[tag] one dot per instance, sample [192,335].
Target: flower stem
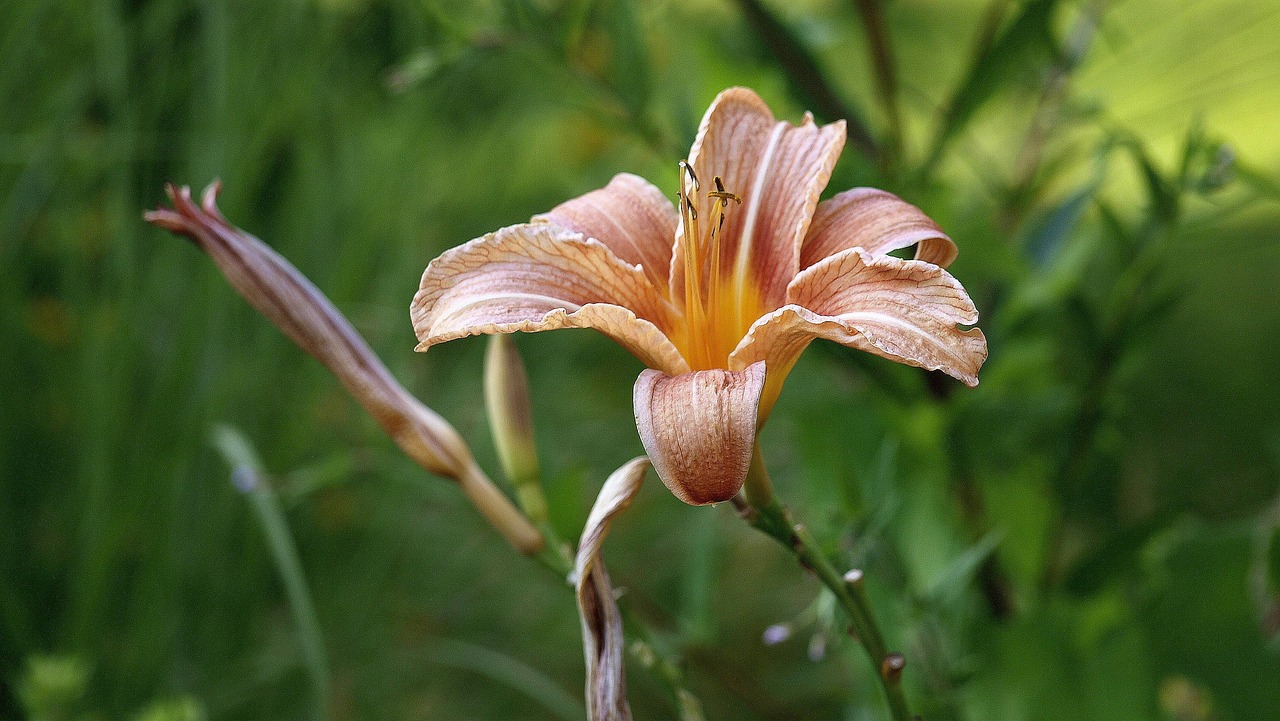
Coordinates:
[773,519]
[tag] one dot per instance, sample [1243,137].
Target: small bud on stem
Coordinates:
[506,396]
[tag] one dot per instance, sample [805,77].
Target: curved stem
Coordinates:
[776,521]
[807,78]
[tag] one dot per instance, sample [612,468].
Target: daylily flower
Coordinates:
[720,296]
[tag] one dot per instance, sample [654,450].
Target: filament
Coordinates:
[706,329]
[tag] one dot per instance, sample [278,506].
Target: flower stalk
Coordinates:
[776,521]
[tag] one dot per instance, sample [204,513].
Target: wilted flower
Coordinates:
[720,296]
[277,290]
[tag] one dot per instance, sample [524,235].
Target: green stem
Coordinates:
[886,77]
[776,521]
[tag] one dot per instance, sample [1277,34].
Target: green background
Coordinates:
[1090,534]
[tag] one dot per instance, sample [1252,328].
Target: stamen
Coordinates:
[704,321]
[719,206]
[689,187]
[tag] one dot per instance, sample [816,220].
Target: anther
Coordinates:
[689,187]
[721,193]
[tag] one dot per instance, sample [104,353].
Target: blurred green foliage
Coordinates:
[1093,533]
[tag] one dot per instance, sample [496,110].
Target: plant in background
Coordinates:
[719,304]
[1014,490]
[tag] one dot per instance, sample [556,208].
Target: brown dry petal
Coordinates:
[778,169]
[699,429]
[277,290]
[630,216]
[878,222]
[602,639]
[539,276]
[904,310]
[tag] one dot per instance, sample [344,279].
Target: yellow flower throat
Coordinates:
[719,306]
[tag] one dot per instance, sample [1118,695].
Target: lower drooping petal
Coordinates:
[904,310]
[878,222]
[699,429]
[539,276]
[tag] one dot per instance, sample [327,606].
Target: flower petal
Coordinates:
[539,276]
[630,216]
[699,429]
[904,310]
[779,170]
[602,638]
[877,222]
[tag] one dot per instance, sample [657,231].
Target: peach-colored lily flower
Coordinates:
[720,296]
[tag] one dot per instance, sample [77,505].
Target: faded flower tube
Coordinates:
[277,290]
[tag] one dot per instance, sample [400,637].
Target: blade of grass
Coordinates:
[247,475]
[507,670]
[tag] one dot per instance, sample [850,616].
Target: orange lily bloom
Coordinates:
[719,296]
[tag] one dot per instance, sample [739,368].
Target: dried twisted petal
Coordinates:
[602,639]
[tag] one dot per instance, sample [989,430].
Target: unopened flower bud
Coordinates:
[506,395]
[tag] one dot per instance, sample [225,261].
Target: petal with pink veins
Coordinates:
[905,310]
[878,222]
[779,170]
[539,276]
[699,429]
[630,216]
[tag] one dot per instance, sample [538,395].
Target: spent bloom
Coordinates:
[720,292]
[285,297]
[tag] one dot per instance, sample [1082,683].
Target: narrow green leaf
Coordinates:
[629,67]
[1258,181]
[950,583]
[1045,243]
[524,15]
[506,670]
[1024,47]
[1163,197]
[247,475]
